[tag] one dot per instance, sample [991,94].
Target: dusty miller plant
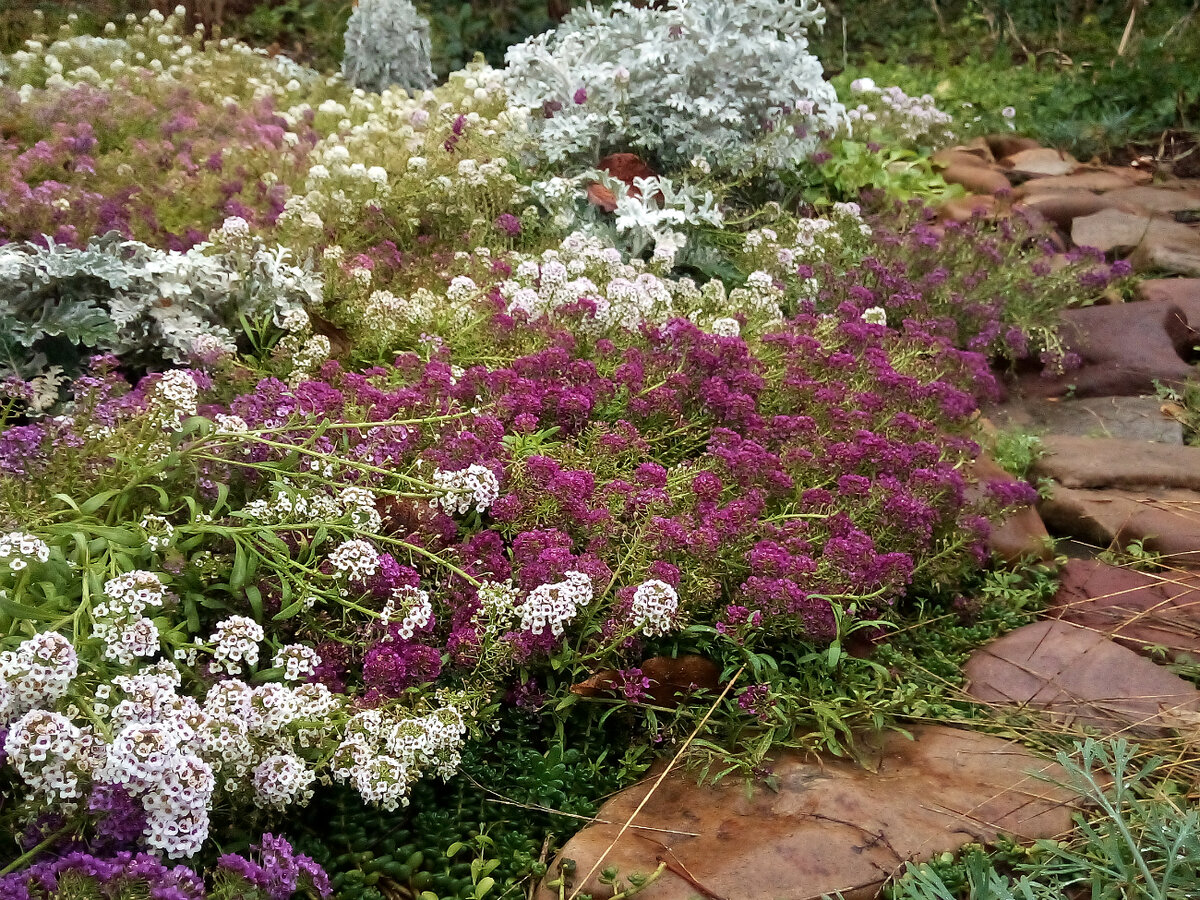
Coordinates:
[387,44]
[733,84]
[145,305]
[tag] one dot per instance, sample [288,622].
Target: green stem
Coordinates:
[34,851]
[650,879]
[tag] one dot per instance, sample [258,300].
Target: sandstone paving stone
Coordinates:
[1165,521]
[963,209]
[1063,207]
[1133,418]
[1171,253]
[979,179]
[1184,292]
[1002,145]
[1118,229]
[1038,162]
[1079,677]
[830,825]
[1156,199]
[1139,610]
[1125,349]
[1096,180]
[1088,462]
[1019,536]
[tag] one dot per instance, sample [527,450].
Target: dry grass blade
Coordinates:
[657,782]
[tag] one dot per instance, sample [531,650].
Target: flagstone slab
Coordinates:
[1164,521]
[1097,462]
[1079,677]
[1132,418]
[1157,199]
[1125,348]
[1139,610]
[828,825]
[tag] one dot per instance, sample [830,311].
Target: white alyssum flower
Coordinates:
[159,531]
[230,424]
[235,642]
[726,326]
[876,315]
[37,673]
[475,487]
[20,549]
[655,605]
[43,747]
[174,398]
[355,559]
[281,780]
[297,660]
[417,606]
[555,605]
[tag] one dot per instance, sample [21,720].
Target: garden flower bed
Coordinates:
[367,457]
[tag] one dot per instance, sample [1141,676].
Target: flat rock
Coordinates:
[1184,292]
[964,209]
[1096,180]
[979,157]
[1178,254]
[1165,521]
[1003,145]
[1117,229]
[1063,207]
[1131,418]
[1079,677]
[1087,462]
[830,826]
[1157,199]
[977,178]
[1019,536]
[1139,610]
[1125,348]
[1039,162]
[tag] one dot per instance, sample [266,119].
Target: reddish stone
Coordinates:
[979,179]
[1079,677]
[961,156]
[1097,180]
[1157,199]
[670,679]
[1139,610]
[1020,535]
[1039,162]
[1184,292]
[1125,349]
[1062,207]
[826,825]
[1089,462]
[1003,145]
[964,209]
[1165,520]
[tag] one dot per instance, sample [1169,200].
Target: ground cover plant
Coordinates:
[367,458]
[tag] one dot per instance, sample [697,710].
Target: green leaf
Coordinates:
[20,611]
[254,595]
[288,611]
[92,504]
[241,567]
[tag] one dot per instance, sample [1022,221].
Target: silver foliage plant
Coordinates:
[145,305]
[713,83]
[387,45]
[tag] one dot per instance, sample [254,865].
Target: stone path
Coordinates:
[1120,472]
